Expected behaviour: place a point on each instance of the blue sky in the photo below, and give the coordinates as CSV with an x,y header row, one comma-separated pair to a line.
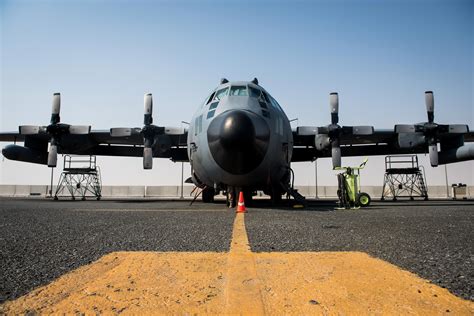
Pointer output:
x,y
104,55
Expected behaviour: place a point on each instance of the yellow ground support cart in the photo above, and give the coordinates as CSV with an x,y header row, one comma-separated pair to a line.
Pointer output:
x,y
350,196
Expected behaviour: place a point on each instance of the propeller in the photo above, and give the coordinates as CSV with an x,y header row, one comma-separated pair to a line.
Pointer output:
x,y
55,130
149,132
431,130
331,135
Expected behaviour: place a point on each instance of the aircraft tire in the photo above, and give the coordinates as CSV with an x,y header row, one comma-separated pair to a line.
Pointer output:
x,y
276,198
248,197
208,195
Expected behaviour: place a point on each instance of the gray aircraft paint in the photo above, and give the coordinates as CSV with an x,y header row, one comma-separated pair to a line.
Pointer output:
x,y
274,165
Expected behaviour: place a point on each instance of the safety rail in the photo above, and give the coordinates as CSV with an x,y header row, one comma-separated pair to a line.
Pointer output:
x,y
79,163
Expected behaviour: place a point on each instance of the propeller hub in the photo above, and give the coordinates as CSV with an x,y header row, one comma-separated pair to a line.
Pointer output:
x,y
149,131
334,130
57,129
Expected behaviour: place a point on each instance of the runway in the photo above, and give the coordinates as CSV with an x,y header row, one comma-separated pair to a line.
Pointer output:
x,y
45,245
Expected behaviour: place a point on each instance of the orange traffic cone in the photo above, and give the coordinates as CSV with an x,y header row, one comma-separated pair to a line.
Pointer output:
x,y
241,204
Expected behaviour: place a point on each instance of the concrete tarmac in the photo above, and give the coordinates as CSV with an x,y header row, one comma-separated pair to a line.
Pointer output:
x,y
42,240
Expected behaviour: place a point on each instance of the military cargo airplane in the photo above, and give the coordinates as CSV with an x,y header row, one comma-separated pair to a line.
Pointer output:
x,y
240,139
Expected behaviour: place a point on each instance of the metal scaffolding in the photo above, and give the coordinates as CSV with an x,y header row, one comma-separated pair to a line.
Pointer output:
x,y
404,177
80,178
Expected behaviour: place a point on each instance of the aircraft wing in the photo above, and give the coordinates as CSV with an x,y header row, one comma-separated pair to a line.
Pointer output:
x,y
309,146
42,144
335,141
96,142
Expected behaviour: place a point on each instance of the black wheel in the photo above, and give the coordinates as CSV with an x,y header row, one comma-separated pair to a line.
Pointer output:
x,y
275,195
208,195
276,198
55,197
98,198
248,198
363,199
83,198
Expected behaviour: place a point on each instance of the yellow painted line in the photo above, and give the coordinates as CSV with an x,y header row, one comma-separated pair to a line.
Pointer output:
x,y
134,283
240,282
243,285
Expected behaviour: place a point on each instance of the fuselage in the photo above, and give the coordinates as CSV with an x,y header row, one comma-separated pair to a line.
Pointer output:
x,y
240,137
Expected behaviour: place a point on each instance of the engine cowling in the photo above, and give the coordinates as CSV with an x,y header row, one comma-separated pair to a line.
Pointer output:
x,y
462,153
25,154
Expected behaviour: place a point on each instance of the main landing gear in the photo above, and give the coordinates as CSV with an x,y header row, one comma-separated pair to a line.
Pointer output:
x,y
208,195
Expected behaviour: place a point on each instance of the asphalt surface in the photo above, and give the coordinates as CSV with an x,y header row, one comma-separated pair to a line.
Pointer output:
x,y
433,239
41,240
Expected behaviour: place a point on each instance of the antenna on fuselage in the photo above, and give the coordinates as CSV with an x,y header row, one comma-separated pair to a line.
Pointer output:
x,y
224,80
255,81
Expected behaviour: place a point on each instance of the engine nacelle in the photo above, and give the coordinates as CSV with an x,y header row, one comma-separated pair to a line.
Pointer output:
x,y
410,140
321,141
25,154
462,153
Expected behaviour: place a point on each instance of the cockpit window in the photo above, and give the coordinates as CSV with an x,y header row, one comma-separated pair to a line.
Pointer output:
x,y
259,94
275,104
210,97
253,92
213,106
212,109
239,90
221,93
266,97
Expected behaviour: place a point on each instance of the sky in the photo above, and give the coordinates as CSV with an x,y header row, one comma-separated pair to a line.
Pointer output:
x,y
104,55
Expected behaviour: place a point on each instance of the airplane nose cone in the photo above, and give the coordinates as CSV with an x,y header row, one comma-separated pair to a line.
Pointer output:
x,y
238,140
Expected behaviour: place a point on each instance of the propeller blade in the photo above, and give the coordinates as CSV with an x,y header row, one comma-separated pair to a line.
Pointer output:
x,y
56,108
121,132
148,101
322,130
458,128
147,158
52,156
404,128
334,107
336,154
307,130
362,130
433,151
429,100
79,129
29,129
174,130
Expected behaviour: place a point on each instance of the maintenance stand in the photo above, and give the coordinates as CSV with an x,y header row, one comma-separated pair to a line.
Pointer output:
x,y
80,177
404,177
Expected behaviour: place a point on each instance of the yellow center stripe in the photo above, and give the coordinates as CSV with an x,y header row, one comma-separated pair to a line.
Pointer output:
x,y
243,286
